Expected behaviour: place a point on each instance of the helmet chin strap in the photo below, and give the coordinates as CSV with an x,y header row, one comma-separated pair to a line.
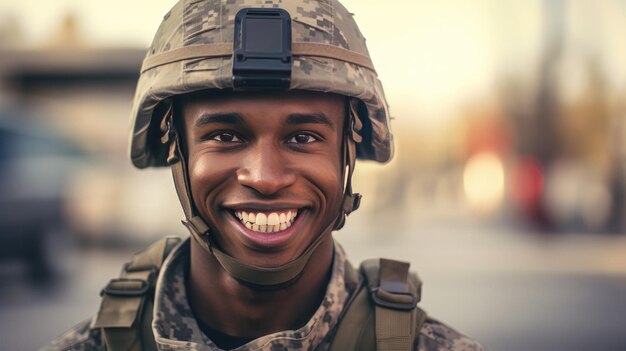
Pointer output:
x,y
200,231
351,201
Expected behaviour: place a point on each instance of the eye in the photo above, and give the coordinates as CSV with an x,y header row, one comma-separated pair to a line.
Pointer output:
x,y
224,137
302,138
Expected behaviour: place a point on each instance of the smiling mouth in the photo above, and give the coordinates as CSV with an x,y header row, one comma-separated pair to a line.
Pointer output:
x,y
267,222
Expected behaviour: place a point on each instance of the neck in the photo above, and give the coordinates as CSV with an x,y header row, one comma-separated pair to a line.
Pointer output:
x,y
236,309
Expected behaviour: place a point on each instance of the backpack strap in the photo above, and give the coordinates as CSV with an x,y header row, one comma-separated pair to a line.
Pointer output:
x,y
396,303
125,313
382,312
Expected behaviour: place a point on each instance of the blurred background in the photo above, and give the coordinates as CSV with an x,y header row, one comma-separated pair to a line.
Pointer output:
x,y
507,191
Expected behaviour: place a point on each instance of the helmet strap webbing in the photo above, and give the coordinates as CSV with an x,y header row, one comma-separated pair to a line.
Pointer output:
x,y
200,231
351,201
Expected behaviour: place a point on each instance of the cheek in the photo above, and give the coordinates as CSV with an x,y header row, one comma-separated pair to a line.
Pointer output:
x,y
326,176
331,176
206,176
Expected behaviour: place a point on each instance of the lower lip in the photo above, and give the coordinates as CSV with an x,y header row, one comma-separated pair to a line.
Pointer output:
x,y
267,240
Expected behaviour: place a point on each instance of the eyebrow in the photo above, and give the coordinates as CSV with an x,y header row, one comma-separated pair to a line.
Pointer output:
x,y
236,118
226,118
305,118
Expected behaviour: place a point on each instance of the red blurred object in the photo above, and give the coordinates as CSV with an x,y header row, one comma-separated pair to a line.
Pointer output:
x,y
527,187
527,182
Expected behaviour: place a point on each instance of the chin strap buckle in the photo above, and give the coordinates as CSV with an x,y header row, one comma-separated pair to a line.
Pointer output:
x,y
199,231
351,203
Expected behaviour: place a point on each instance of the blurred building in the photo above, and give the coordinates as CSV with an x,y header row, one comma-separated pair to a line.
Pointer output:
x,y
545,150
82,94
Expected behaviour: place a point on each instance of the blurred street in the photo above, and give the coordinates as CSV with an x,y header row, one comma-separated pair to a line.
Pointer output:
x,y
507,191
513,291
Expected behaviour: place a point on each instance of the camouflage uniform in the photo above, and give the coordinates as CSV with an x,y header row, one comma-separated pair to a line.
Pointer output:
x,y
175,327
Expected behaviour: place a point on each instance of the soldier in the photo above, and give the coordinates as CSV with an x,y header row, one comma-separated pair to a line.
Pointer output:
x,y
260,108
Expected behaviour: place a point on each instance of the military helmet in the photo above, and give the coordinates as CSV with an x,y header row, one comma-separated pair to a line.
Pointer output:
x,y
193,50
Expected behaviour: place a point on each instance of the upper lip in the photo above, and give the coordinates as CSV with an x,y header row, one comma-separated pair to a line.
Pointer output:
x,y
264,206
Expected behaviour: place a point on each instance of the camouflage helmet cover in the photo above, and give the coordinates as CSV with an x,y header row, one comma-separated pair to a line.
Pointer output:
x,y
192,51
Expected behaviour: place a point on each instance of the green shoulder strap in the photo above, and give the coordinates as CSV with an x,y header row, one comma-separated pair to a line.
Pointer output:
x,y
382,313
125,313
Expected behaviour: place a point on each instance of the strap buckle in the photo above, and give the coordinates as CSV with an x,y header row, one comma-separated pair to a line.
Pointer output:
x,y
126,287
356,201
396,300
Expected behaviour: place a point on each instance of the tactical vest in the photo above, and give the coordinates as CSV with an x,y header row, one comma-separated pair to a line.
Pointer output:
x,y
381,313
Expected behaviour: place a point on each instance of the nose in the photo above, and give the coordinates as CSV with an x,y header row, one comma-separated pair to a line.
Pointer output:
x,y
265,170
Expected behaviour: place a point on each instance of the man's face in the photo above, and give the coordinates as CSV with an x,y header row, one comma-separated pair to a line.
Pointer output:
x,y
265,169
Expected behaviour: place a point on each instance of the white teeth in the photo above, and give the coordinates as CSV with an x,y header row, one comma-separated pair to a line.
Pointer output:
x,y
267,223
273,219
261,219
